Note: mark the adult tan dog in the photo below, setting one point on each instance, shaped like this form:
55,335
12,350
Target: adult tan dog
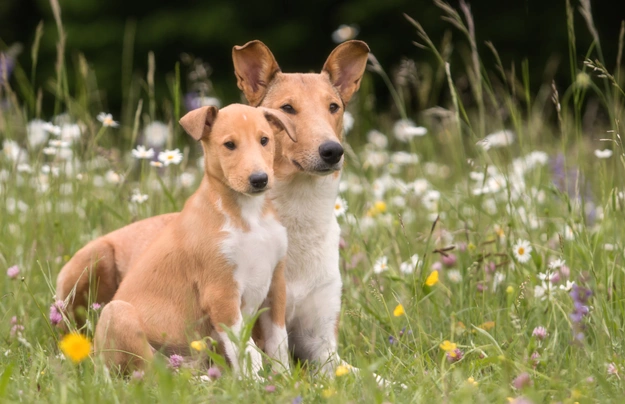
307,176
221,258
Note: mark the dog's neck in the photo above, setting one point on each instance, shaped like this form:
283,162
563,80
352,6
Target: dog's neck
243,209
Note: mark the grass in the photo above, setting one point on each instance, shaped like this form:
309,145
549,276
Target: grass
461,209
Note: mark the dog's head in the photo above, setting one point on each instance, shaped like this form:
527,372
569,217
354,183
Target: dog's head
238,143
315,102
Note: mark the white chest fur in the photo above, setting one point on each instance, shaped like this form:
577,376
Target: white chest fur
254,252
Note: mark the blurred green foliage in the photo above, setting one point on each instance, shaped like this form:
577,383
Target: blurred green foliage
298,32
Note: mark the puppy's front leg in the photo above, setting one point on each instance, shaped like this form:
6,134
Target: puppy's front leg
225,309
272,321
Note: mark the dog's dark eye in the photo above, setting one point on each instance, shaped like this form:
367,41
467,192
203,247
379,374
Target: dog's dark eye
230,145
264,140
334,107
288,109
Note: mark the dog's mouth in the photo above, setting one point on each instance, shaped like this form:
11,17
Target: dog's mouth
319,169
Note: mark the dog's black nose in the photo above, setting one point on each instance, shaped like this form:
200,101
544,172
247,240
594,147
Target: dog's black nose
331,152
259,180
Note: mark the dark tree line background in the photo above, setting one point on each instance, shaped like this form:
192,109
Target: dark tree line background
298,33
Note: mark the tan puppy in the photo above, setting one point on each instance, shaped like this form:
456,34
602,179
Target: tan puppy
216,262
307,176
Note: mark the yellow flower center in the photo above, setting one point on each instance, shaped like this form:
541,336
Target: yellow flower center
521,250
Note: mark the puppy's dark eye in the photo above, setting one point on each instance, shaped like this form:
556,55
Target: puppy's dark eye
230,145
264,140
334,107
288,109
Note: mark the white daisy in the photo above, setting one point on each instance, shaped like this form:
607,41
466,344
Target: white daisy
141,153
58,143
454,276
168,157
405,130
107,120
113,177
186,179
377,138
522,251
340,206
568,286
603,154
156,133
137,197
156,164
51,128
556,264
403,158
344,33
36,131
50,151
380,265
348,122
409,266
497,139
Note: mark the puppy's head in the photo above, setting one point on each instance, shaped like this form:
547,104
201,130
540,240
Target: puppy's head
238,143
314,102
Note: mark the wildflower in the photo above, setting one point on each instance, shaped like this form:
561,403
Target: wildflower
489,325
348,122
340,206
96,306
448,346
107,120
37,133
472,381
75,346
13,151
448,260
193,101
138,375
13,272
137,197
540,333
612,369
432,279
24,168
580,296
297,400
510,290
399,310
49,151
556,264
175,361
521,381
377,139
603,154
156,133
157,164
430,200
142,153
344,33
380,265
16,327
497,139
522,251
214,373
341,370
454,276
535,358
409,266
56,310
405,130
59,144
198,345
454,355
402,158
170,157
567,286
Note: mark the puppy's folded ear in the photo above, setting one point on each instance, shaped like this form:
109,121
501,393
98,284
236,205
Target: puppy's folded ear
254,66
199,122
279,121
345,67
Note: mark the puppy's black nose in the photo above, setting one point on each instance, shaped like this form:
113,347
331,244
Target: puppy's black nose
259,180
331,152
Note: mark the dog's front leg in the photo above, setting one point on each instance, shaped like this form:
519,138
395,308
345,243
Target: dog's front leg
225,310
272,321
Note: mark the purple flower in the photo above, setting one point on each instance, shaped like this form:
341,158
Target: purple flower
96,306
437,266
6,66
565,272
297,400
449,260
540,333
13,272
175,361
270,388
16,327
391,339
214,373
138,375
580,296
521,381
56,312
535,358
612,369
454,356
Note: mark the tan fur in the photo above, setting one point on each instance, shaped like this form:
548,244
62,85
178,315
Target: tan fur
262,82
182,287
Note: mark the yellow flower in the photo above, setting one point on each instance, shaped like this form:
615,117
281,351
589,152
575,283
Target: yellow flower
399,311
509,289
377,208
472,381
198,345
342,370
487,325
448,346
432,279
329,392
75,346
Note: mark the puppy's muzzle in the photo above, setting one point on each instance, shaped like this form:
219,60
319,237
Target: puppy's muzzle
331,152
258,181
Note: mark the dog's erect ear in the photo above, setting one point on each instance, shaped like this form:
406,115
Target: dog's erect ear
280,121
345,66
199,122
254,66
